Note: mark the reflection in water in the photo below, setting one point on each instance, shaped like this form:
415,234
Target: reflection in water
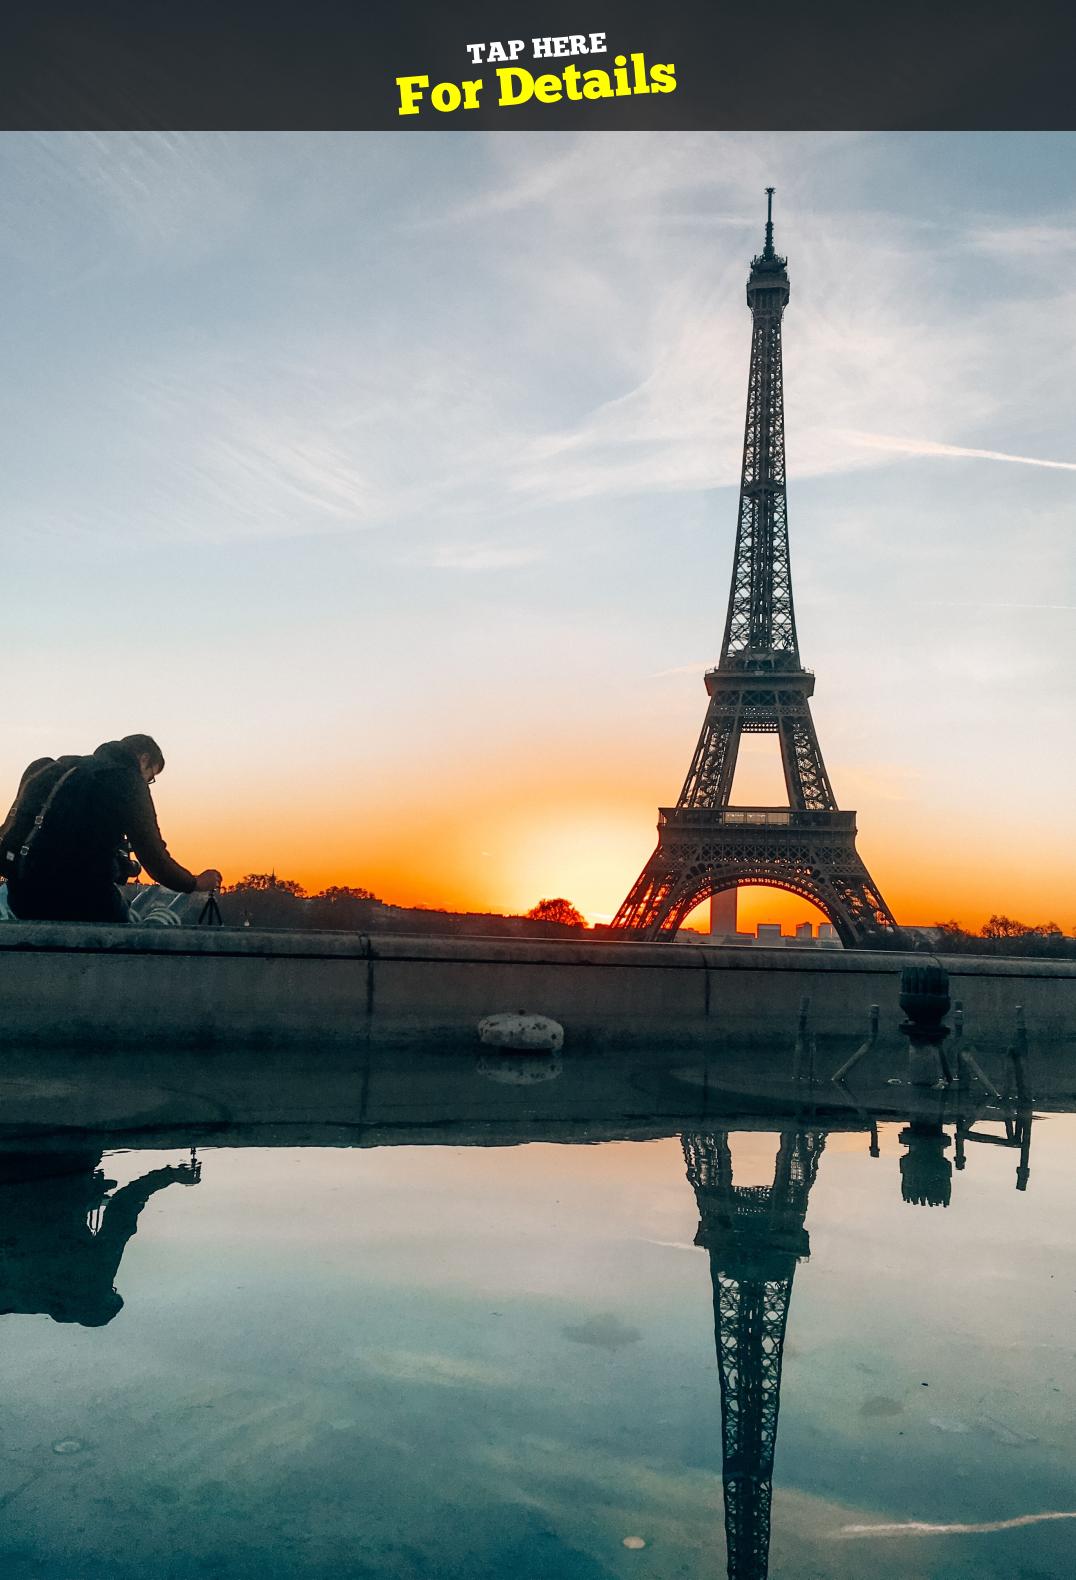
926,1175
922,1528
755,1235
63,1237
62,1241
1017,1136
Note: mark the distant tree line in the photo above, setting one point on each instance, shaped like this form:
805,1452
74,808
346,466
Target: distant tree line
261,899
264,900
1003,935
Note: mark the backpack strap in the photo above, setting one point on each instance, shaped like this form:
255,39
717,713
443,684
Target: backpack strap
39,820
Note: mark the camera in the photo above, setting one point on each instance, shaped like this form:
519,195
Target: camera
124,865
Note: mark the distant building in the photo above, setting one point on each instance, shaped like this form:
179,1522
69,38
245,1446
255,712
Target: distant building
769,934
723,914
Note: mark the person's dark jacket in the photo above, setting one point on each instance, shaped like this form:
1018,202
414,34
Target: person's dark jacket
69,871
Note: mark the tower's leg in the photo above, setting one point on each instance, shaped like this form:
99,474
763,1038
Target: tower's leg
859,901
713,767
647,904
801,758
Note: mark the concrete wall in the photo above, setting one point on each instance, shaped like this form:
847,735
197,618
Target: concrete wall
202,987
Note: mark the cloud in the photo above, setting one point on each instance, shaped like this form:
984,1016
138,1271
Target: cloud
587,341
1022,241
1068,608
680,669
479,556
167,198
929,447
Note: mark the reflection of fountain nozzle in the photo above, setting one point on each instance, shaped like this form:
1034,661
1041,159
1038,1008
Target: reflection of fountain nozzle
926,1175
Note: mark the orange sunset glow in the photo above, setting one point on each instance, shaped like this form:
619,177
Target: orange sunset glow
502,847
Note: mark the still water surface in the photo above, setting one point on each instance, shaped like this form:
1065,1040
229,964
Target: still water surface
474,1361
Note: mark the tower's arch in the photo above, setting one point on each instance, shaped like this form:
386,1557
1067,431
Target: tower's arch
702,887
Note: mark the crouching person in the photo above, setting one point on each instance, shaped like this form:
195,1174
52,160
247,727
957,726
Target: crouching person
72,859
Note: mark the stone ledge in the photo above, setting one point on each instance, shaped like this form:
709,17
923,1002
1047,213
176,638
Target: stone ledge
219,988
83,938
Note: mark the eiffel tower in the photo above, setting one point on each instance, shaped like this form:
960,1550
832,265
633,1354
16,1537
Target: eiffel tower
759,687
755,1236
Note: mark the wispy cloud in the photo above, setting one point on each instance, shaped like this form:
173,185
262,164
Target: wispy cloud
928,447
979,603
479,556
680,669
170,198
1021,241
584,349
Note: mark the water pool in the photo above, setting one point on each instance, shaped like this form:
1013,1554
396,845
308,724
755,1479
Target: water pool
581,1358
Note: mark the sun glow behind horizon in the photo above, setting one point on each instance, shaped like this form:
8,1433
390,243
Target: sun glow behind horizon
496,832
476,857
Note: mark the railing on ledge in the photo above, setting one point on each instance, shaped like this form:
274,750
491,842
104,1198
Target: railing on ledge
754,816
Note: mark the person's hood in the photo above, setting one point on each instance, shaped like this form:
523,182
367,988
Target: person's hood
115,752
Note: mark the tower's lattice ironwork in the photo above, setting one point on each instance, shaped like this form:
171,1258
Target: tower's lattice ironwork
759,687
755,1236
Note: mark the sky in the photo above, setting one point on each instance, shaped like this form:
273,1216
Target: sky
389,481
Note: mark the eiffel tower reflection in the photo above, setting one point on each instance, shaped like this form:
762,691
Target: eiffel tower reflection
755,1236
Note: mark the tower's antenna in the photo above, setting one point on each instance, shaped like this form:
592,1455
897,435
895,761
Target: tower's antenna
769,222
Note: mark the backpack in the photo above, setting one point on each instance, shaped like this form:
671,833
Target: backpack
18,822
19,835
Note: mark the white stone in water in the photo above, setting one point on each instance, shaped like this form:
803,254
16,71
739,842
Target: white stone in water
636,1543
526,1033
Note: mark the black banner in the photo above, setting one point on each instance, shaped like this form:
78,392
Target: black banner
593,64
